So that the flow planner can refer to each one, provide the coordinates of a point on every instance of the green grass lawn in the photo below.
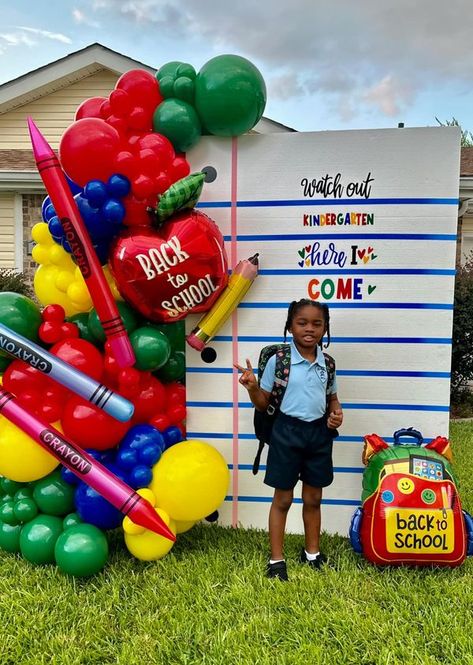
(208, 602)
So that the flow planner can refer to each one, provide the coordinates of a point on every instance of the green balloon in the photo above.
(174, 369)
(38, 538)
(7, 513)
(4, 362)
(230, 95)
(169, 69)
(25, 510)
(10, 486)
(10, 537)
(151, 347)
(73, 519)
(20, 314)
(81, 320)
(184, 89)
(128, 317)
(175, 332)
(187, 70)
(23, 493)
(166, 86)
(53, 495)
(178, 121)
(81, 550)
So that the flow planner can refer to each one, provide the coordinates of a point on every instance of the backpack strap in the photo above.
(330, 365)
(281, 377)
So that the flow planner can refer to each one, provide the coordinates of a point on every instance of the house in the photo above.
(51, 94)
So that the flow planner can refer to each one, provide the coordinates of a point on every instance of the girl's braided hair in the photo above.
(296, 305)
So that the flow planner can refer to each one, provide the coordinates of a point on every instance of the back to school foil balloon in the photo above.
(166, 275)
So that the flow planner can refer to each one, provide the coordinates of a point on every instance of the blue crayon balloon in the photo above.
(96, 393)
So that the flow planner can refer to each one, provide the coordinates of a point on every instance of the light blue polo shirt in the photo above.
(306, 393)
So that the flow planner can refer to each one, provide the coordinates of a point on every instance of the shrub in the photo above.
(462, 349)
(12, 280)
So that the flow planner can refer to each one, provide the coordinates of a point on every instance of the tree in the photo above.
(462, 337)
(466, 136)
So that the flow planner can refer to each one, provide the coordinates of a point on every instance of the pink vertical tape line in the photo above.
(233, 260)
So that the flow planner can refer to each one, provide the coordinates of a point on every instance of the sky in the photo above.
(337, 64)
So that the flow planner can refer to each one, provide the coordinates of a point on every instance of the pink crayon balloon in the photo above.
(85, 467)
(78, 238)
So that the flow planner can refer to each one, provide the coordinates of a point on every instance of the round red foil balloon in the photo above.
(167, 274)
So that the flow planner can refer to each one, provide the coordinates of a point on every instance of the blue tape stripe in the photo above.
(354, 304)
(378, 407)
(340, 372)
(251, 437)
(337, 469)
(277, 203)
(268, 499)
(305, 237)
(359, 271)
(344, 340)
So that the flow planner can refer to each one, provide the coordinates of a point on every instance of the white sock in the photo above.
(271, 561)
(311, 556)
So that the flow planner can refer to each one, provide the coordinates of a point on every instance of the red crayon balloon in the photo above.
(78, 238)
(85, 467)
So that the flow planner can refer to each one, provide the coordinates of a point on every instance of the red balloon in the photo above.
(140, 118)
(179, 168)
(90, 108)
(90, 427)
(166, 275)
(142, 187)
(120, 103)
(176, 414)
(105, 109)
(136, 213)
(117, 123)
(127, 164)
(88, 150)
(162, 183)
(82, 355)
(160, 421)
(150, 400)
(175, 394)
(53, 313)
(161, 147)
(142, 87)
(35, 391)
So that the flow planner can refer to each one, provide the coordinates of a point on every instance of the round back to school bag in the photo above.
(411, 512)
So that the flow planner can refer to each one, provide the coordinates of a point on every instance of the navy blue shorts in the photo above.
(300, 450)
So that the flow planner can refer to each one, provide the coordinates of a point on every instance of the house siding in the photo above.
(53, 113)
(7, 230)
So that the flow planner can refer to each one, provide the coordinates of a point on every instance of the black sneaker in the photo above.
(316, 563)
(277, 570)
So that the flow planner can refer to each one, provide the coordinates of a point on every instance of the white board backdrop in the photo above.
(389, 223)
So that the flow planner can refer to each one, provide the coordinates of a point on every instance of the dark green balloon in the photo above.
(7, 513)
(128, 317)
(10, 486)
(178, 121)
(166, 86)
(186, 70)
(38, 538)
(175, 332)
(73, 519)
(174, 369)
(4, 362)
(152, 348)
(169, 69)
(25, 510)
(230, 95)
(20, 314)
(53, 495)
(81, 550)
(184, 89)
(10, 537)
(23, 493)
(82, 322)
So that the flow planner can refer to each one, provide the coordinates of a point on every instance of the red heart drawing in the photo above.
(370, 249)
(308, 248)
(167, 274)
(361, 253)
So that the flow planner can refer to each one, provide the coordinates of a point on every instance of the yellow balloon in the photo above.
(182, 527)
(47, 291)
(145, 544)
(190, 480)
(21, 458)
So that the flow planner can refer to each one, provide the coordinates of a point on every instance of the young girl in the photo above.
(302, 435)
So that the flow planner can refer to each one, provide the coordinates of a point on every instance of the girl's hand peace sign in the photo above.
(248, 378)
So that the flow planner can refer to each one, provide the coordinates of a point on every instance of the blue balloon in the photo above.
(140, 435)
(172, 435)
(49, 212)
(102, 250)
(55, 229)
(93, 220)
(66, 246)
(113, 212)
(95, 192)
(69, 477)
(75, 189)
(118, 186)
(93, 508)
(44, 205)
(127, 458)
(140, 476)
(150, 453)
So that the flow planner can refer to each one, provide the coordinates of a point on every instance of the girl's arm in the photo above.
(258, 396)
(335, 412)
